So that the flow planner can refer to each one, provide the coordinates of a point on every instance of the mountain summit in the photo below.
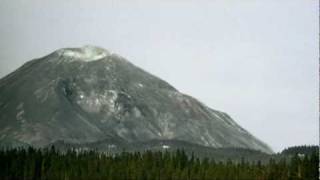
(91, 96)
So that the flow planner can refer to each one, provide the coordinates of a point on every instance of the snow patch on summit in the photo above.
(85, 53)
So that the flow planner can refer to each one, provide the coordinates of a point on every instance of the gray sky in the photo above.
(257, 60)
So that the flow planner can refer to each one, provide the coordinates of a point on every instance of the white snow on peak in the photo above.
(85, 53)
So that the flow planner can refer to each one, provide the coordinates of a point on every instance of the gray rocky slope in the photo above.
(88, 95)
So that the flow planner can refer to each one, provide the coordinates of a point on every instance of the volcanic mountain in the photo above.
(89, 96)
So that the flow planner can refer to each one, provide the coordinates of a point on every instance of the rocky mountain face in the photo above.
(90, 96)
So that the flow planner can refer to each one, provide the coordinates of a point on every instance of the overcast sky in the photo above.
(257, 60)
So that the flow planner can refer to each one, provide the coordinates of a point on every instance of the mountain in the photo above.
(88, 95)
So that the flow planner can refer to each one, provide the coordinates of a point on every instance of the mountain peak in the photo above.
(109, 101)
(84, 53)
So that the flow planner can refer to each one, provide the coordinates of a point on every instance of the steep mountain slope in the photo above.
(87, 95)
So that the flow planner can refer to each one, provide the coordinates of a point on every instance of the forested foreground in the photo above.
(50, 164)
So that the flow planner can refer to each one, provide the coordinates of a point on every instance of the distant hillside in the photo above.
(300, 150)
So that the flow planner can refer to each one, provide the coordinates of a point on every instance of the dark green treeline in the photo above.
(50, 164)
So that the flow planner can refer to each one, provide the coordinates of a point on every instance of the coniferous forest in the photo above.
(30, 163)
